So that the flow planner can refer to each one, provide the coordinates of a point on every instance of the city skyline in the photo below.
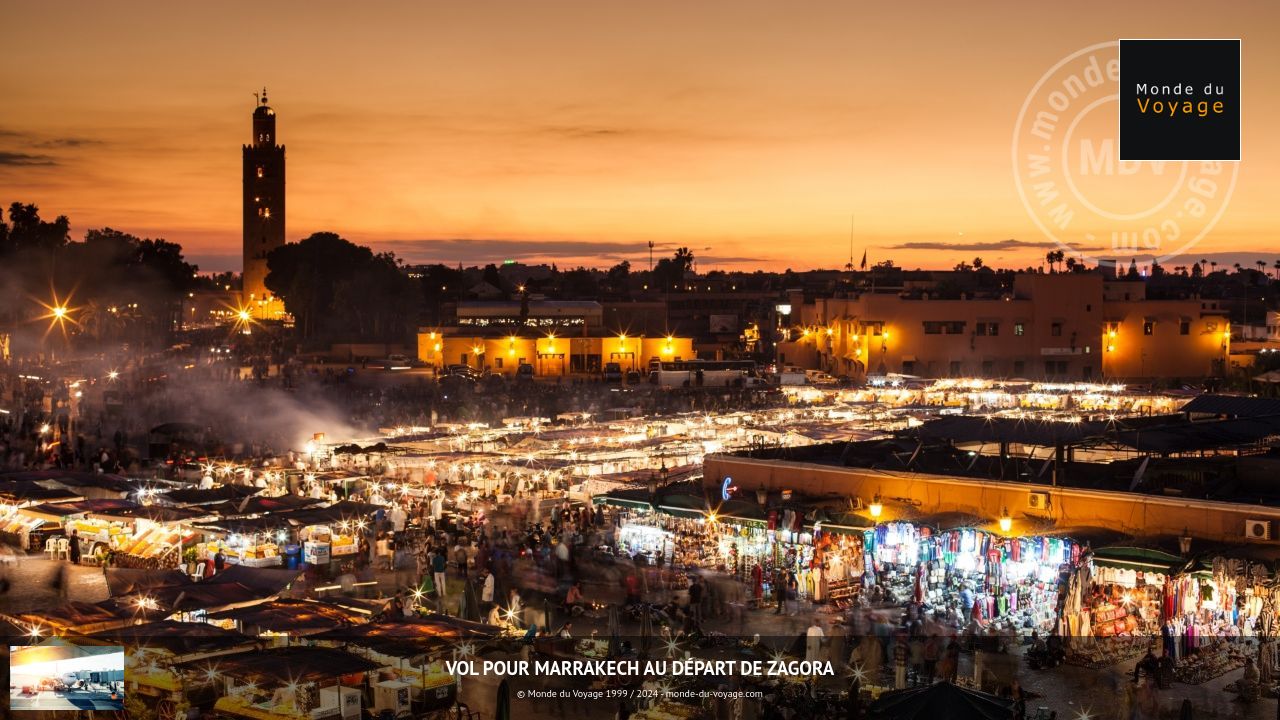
(574, 133)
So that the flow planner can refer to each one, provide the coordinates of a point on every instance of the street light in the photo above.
(1006, 522)
(876, 507)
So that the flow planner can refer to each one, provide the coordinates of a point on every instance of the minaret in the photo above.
(263, 210)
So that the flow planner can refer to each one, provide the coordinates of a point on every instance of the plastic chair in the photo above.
(199, 573)
(64, 548)
(51, 546)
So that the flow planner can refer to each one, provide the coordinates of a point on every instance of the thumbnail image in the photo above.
(59, 675)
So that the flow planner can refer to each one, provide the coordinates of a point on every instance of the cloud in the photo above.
(979, 246)
(588, 252)
(17, 159)
(586, 132)
(67, 142)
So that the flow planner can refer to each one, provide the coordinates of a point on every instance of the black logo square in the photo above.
(1180, 99)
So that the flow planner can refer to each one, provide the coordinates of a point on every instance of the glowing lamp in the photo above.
(876, 507)
(1006, 522)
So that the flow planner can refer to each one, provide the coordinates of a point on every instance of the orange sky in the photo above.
(579, 131)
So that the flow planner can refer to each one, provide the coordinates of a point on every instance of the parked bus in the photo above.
(705, 373)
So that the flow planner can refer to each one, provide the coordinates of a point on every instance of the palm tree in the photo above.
(1262, 266)
(1277, 267)
(1213, 266)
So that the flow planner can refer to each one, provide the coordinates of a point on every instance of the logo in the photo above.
(727, 488)
(1089, 202)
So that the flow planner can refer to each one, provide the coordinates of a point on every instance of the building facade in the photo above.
(264, 211)
(555, 337)
(1068, 327)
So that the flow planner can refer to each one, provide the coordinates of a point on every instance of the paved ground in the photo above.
(49, 700)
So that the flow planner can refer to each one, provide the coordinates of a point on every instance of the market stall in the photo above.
(158, 535)
(292, 682)
(968, 574)
(411, 653)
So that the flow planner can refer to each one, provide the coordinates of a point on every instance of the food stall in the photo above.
(158, 534)
(290, 682)
(153, 650)
(25, 531)
(325, 543)
(97, 533)
(411, 653)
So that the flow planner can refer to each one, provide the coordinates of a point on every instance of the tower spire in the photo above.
(264, 94)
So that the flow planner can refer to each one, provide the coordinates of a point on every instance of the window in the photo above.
(987, 329)
(1148, 328)
(908, 367)
(1088, 307)
(462, 359)
(988, 368)
(1019, 329)
(955, 368)
(943, 327)
(259, 171)
(1184, 327)
(497, 362)
(1056, 329)
(1087, 373)
(1019, 368)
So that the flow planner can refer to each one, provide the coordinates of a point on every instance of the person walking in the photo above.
(439, 564)
(73, 548)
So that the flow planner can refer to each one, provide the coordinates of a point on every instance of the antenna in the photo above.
(850, 265)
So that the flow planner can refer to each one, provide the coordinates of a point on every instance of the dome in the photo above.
(263, 111)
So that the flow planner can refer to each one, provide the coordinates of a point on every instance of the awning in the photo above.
(284, 665)
(1141, 559)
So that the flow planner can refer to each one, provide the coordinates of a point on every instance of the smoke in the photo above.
(240, 417)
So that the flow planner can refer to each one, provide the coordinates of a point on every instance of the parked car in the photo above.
(612, 372)
(463, 371)
(524, 373)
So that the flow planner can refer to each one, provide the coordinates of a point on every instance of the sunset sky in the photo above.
(577, 132)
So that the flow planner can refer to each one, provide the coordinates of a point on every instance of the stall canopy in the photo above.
(295, 617)
(1140, 559)
(155, 513)
(26, 491)
(337, 512)
(74, 616)
(179, 638)
(129, 581)
(57, 511)
(284, 665)
(698, 506)
(1234, 406)
(1020, 431)
(940, 700)
(1206, 435)
(258, 504)
(411, 637)
(235, 586)
(196, 496)
(72, 479)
